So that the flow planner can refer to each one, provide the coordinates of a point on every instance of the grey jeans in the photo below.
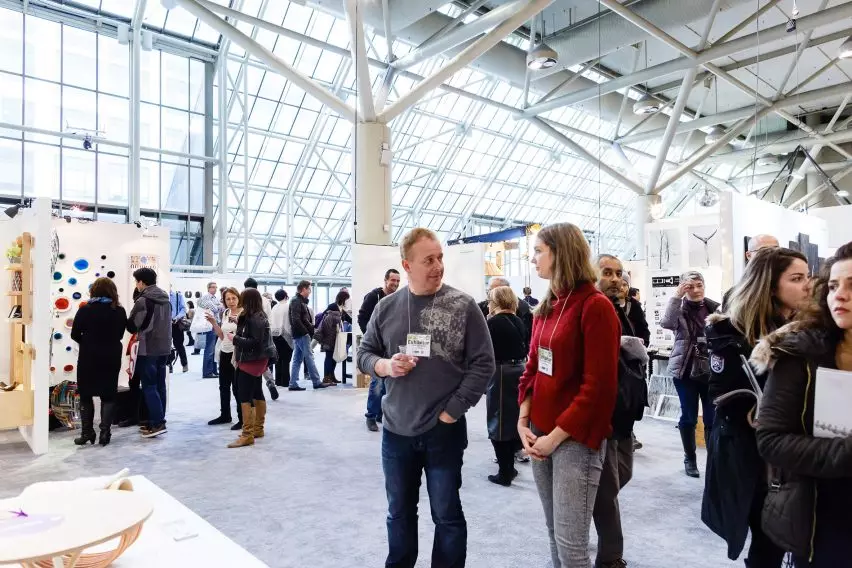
(567, 484)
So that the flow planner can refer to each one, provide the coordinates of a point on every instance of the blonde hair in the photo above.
(753, 308)
(411, 238)
(503, 298)
(572, 261)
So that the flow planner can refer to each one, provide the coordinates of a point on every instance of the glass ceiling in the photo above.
(461, 166)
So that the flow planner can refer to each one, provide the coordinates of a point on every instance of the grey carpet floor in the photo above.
(311, 493)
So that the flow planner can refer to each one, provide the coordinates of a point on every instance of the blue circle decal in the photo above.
(81, 265)
(57, 276)
(76, 295)
(72, 281)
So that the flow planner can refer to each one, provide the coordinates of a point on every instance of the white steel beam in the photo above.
(253, 47)
(680, 105)
(135, 167)
(460, 35)
(386, 22)
(826, 17)
(464, 58)
(579, 150)
(357, 45)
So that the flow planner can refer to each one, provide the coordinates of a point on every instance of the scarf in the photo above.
(100, 300)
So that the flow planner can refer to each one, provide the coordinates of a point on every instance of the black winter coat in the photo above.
(371, 300)
(524, 313)
(807, 509)
(501, 396)
(637, 322)
(253, 340)
(98, 329)
(736, 475)
(301, 322)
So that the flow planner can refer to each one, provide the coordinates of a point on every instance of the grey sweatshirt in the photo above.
(452, 379)
(156, 337)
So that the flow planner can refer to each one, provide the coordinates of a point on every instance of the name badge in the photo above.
(545, 361)
(419, 345)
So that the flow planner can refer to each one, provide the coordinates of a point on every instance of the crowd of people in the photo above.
(564, 379)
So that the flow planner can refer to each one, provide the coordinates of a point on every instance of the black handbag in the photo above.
(184, 324)
(700, 362)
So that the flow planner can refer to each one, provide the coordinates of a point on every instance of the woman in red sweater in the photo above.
(568, 390)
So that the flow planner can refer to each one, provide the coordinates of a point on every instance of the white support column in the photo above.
(245, 173)
(642, 215)
(222, 70)
(372, 185)
(135, 169)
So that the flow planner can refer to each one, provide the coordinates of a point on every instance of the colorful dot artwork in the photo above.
(61, 256)
(68, 368)
(103, 257)
(69, 323)
(62, 304)
(82, 304)
(76, 295)
(110, 274)
(57, 276)
(68, 348)
(97, 274)
(72, 281)
(81, 265)
(57, 335)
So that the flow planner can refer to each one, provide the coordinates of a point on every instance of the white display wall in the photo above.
(673, 247)
(88, 250)
(36, 221)
(744, 216)
(839, 220)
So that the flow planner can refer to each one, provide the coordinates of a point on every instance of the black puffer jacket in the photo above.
(253, 340)
(812, 477)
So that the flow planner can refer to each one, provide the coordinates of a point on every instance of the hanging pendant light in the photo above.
(542, 56)
(646, 105)
(716, 133)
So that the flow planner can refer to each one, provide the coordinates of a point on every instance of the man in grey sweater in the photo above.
(443, 371)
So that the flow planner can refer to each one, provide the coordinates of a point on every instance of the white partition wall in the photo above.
(839, 224)
(464, 268)
(369, 264)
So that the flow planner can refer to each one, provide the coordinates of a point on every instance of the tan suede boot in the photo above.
(247, 436)
(259, 417)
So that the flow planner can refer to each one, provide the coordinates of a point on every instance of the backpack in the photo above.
(632, 398)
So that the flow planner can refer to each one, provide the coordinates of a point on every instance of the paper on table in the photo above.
(832, 400)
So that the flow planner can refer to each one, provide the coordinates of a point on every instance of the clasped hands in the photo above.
(538, 447)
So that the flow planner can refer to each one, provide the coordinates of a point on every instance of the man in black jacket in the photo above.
(377, 384)
(634, 314)
(302, 325)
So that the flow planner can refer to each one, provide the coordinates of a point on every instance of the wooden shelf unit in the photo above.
(17, 406)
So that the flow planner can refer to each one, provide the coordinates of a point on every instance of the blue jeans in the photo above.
(152, 374)
(440, 452)
(302, 352)
(374, 398)
(689, 392)
(209, 366)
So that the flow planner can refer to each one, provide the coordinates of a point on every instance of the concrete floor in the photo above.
(311, 494)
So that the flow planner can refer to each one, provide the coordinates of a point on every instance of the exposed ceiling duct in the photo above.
(611, 32)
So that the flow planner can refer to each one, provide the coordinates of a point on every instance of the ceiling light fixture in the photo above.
(716, 133)
(657, 210)
(845, 51)
(646, 105)
(795, 11)
(542, 56)
(842, 193)
(709, 198)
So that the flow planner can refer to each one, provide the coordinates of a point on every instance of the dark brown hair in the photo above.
(303, 285)
(252, 302)
(235, 292)
(342, 298)
(105, 288)
(819, 315)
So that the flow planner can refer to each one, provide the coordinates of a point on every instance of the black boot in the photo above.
(108, 409)
(687, 438)
(87, 418)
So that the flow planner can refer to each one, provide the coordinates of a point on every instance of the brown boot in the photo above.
(329, 380)
(247, 436)
(259, 417)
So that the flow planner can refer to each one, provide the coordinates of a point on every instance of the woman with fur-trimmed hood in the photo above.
(773, 288)
(807, 509)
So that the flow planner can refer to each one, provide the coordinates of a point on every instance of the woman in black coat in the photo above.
(774, 287)
(508, 336)
(807, 507)
(253, 348)
(99, 328)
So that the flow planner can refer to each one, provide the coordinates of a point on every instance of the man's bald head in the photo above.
(498, 281)
(760, 242)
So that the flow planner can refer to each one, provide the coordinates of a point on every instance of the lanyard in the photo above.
(431, 308)
(550, 343)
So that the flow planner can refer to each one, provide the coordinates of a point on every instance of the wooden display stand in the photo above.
(17, 405)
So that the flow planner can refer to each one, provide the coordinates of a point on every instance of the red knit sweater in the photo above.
(580, 396)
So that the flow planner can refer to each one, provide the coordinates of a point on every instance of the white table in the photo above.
(157, 545)
(173, 536)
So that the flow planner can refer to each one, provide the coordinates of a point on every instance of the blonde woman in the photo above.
(774, 287)
(568, 390)
(225, 353)
(508, 336)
